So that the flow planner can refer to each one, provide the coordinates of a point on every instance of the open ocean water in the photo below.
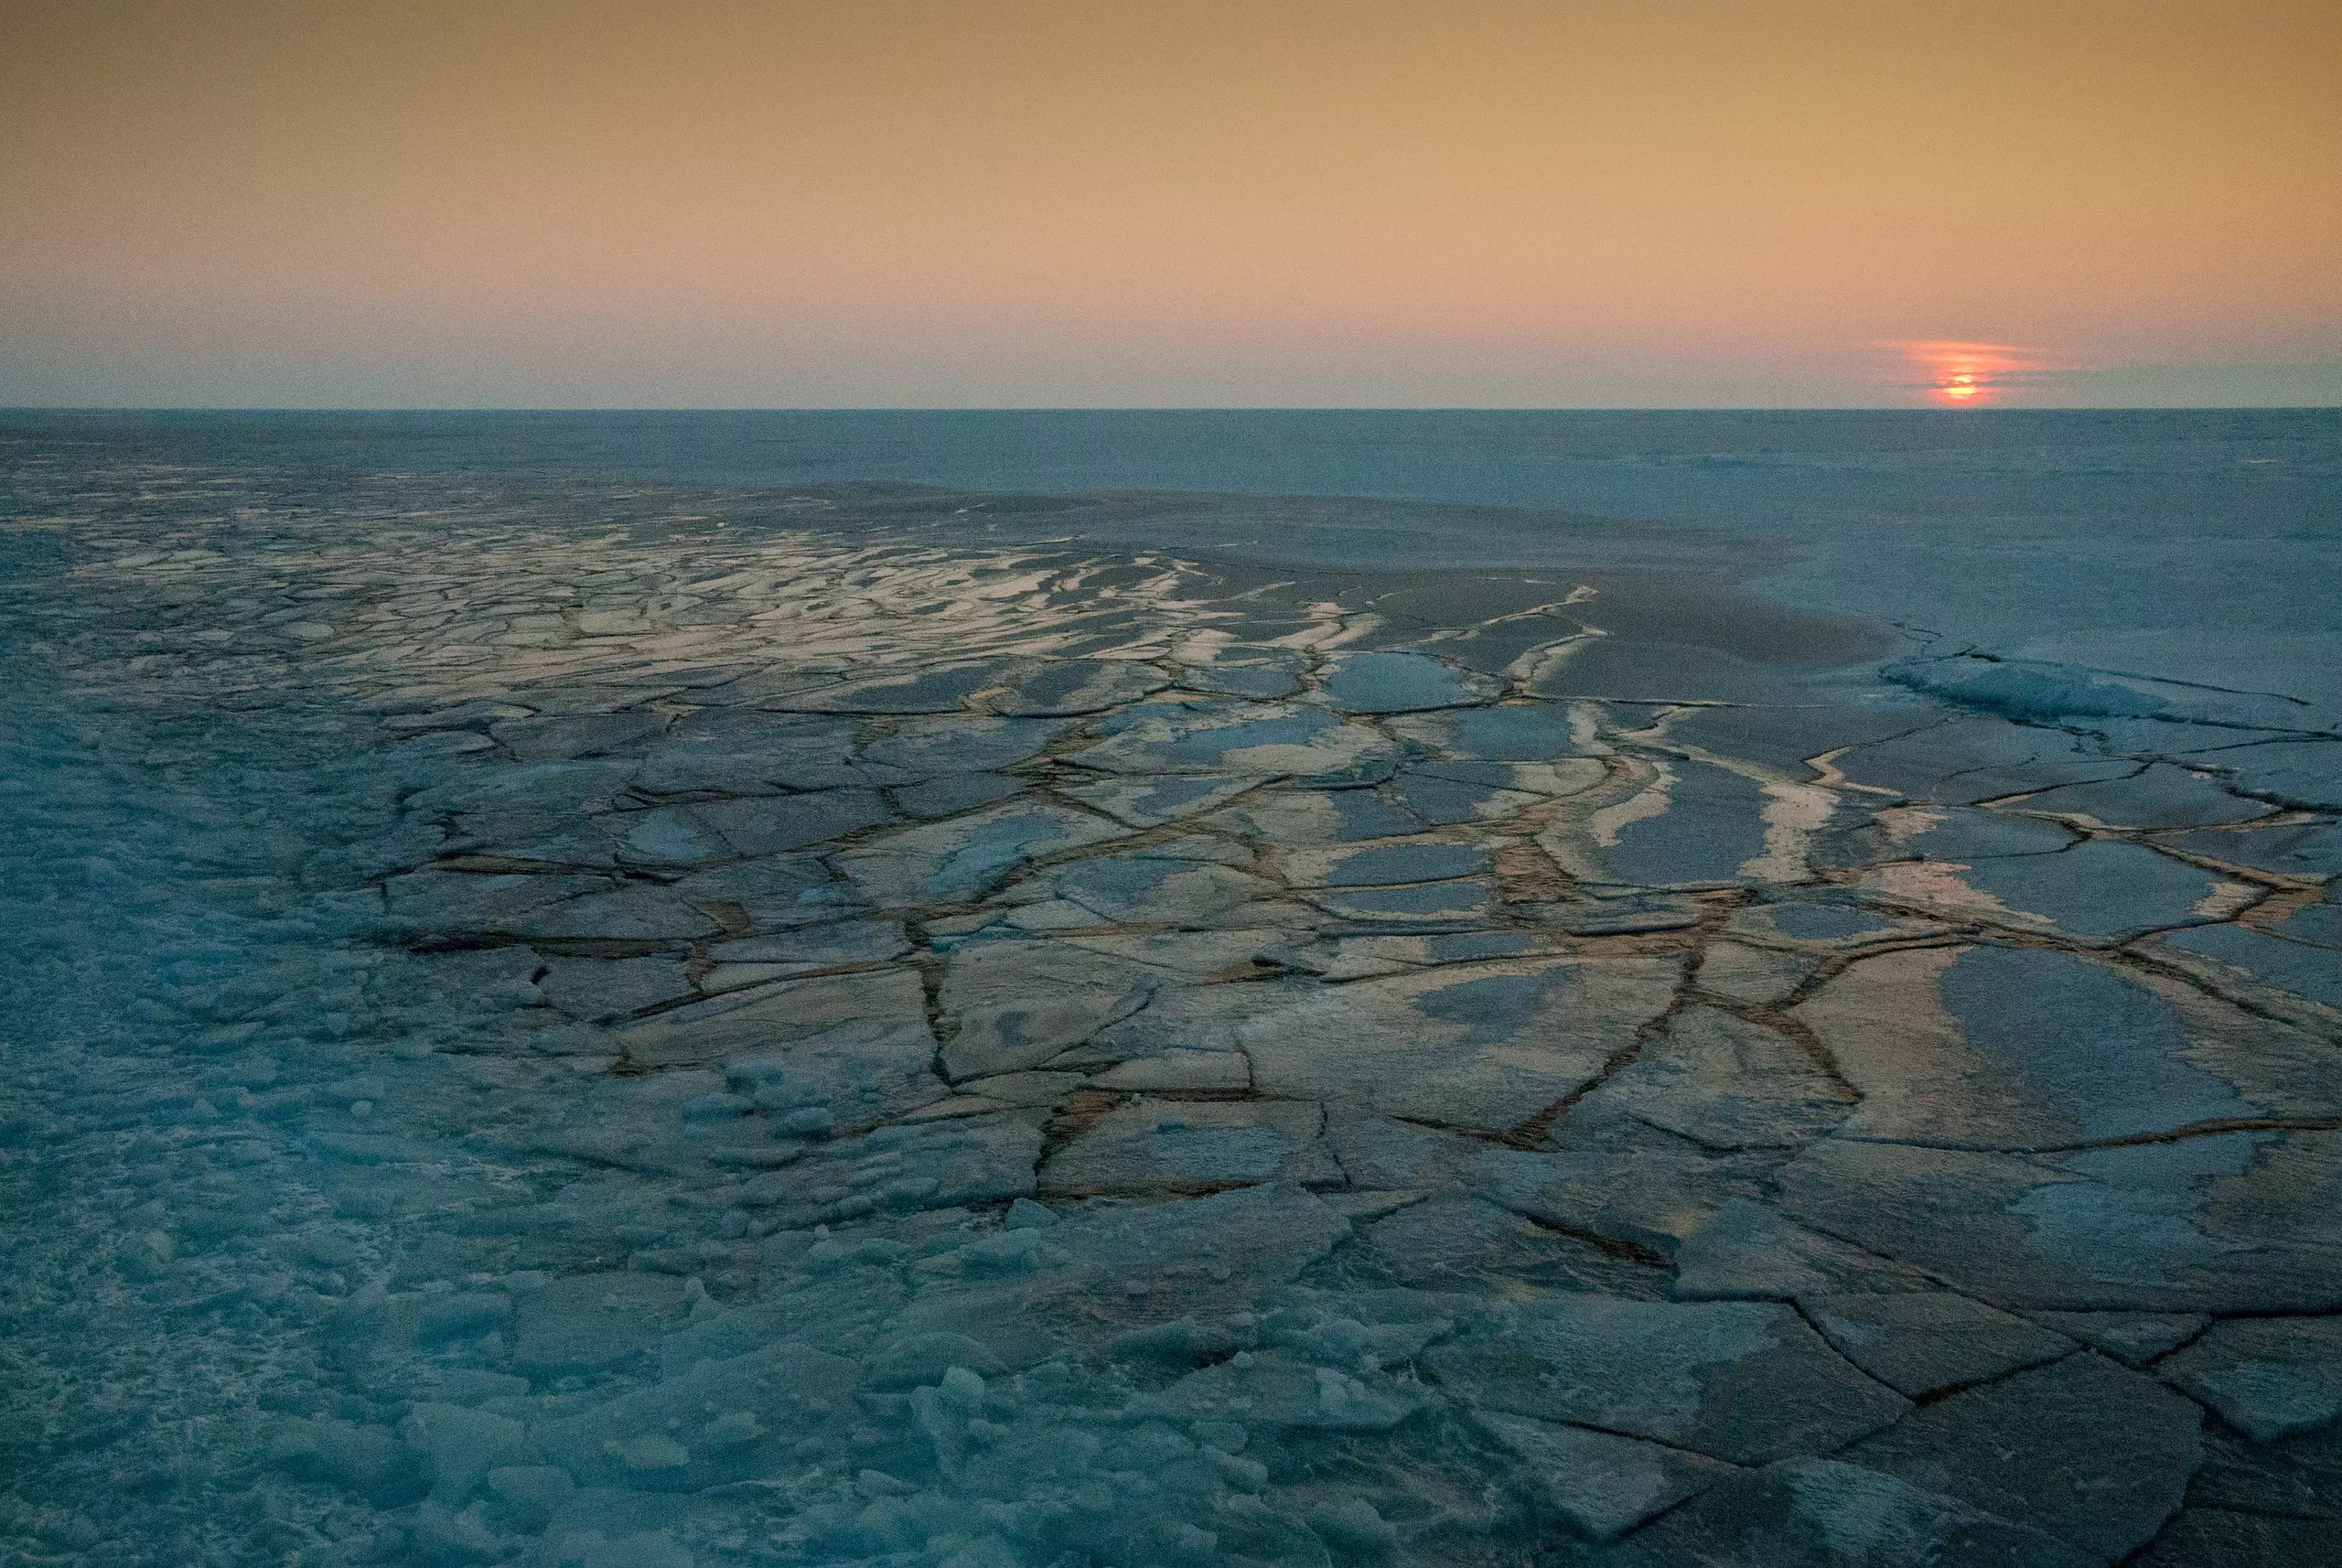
(1003, 989)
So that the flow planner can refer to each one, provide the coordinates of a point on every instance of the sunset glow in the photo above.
(1968, 375)
(1040, 202)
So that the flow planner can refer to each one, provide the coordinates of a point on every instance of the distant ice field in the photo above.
(2191, 545)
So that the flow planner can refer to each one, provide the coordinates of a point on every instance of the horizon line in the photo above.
(1936, 409)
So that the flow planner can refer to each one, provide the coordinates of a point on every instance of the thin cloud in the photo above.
(1971, 375)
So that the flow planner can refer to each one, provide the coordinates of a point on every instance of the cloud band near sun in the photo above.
(1970, 375)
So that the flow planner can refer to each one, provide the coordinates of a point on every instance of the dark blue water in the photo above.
(2193, 545)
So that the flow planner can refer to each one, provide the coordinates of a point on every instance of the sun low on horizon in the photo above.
(1293, 202)
(1971, 375)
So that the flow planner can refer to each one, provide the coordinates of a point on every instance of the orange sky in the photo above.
(874, 202)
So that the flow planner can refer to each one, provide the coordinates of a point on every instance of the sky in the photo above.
(1479, 203)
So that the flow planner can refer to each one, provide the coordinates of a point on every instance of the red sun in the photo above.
(1966, 375)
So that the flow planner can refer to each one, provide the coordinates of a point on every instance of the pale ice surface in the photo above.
(603, 1024)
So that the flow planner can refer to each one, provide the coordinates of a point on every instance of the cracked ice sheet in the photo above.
(581, 1064)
